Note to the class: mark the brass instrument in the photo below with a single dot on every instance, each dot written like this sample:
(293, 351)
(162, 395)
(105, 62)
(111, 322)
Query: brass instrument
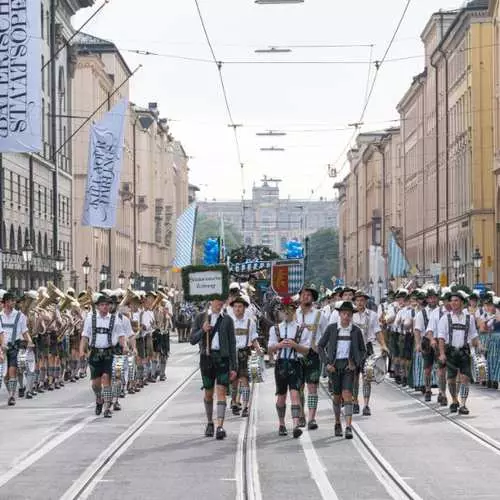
(86, 299)
(29, 303)
(54, 293)
(158, 300)
(129, 296)
(68, 302)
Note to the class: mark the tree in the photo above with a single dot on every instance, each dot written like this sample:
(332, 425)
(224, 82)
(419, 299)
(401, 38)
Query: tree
(257, 252)
(323, 257)
(207, 227)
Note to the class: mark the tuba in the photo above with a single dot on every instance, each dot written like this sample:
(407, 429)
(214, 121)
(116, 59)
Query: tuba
(129, 296)
(68, 302)
(55, 295)
(160, 297)
(86, 299)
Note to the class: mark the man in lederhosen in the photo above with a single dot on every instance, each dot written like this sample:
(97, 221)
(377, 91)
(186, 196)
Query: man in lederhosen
(13, 332)
(343, 350)
(101, 331)
(214, 332)
(285, 341)
(312, 324)
(456, 331)
(245, 330)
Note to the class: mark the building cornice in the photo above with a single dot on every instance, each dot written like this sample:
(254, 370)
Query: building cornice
(412, 93)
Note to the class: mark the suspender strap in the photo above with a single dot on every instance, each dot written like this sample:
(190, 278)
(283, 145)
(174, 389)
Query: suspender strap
(94, 329)
(426, 318)
(248, 331)
(14, 328)
(110, 330)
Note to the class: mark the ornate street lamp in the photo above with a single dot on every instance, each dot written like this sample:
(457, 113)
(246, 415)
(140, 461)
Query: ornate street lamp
(131, 280)
(477, 259)
(86, 271)
(455, 261)
(59, 264)
(27, 252)
(103, 276)
(121, 278)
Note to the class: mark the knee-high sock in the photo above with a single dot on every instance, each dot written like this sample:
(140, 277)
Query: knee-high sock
(427, 380)
(452, 387)
(336, 411)
(57, 372)
(30, 379)
(442, 382)
(115, 388)
(163, 365)
(281, 410)
(312, 401)
(464, 393)
(107, 395)
(234, 392)
(296, 409)
(98, 392)
(50, 373)
(43, 374)
(209, 409)
(221, 410)
(302, 398)
(367, 389)
(244, 396)
(355, 388)
(348, 409)
(154, 365)
(11, 386)
(37, 376)
(20, 379)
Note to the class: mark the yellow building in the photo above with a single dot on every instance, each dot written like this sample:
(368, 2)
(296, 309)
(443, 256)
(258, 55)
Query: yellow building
(446, 122)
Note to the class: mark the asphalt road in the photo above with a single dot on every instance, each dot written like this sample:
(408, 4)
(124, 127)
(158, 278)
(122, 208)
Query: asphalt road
(53, 447)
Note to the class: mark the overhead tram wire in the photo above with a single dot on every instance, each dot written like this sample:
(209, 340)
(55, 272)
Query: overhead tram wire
(232, 124)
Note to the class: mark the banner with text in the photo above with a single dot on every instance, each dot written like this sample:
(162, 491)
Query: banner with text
(20, 77)
(105, 162)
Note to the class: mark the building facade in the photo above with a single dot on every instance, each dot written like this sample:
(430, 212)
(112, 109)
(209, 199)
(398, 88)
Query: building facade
(154, 177)
(37, 188)
(269, 220)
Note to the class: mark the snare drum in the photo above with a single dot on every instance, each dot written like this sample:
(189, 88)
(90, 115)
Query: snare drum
(22, 355)
(256, 368)
(119, 363)
(480, 365)
(375, 369)
(131, 366)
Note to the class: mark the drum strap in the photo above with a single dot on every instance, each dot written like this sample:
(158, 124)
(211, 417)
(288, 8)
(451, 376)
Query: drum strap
(426, 318)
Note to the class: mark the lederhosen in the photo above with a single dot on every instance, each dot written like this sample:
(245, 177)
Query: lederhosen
(458, 359)
(214, 368)
(288, 371)
(311, 362)
(406, 342)
(394, 339)
(244, 352)
(13, 345)
(360, 369)
(342, 379)
(140, 341)
(161, 340)
(101, 359)
(428, 353)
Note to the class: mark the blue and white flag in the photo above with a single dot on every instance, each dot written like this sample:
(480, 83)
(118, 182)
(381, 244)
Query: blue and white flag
(398, 265)
(20, 77)
(184, 237)
(105, 163)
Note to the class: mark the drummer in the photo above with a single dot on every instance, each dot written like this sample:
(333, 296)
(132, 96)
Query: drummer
(245, 330)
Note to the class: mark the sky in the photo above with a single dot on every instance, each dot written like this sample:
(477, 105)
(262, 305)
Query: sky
(313, 103)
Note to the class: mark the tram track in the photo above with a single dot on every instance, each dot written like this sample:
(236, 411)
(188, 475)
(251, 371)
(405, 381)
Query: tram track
(88, 480)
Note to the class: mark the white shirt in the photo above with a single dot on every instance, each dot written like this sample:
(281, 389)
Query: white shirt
(405, 317)
(309, 337)
(434, 320)
(126, 325)
(343, 346)
(215, 346)
(22, 326)
(334, 317)
(367, 321)
(420, 320)
(287, 331)
(148, 319)
(101, 341)
(246, 340)
(457, 336)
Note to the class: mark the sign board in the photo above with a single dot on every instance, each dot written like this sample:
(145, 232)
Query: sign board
(202, 283)
(287, 277)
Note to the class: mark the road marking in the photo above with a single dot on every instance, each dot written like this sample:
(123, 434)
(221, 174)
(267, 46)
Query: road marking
(317, 469)
(87, 481)
(253, 481)
(386, 467)
(238, 468)
(22, 465)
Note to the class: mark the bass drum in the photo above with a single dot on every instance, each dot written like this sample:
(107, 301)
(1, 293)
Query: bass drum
(375, 369)
(256, 368)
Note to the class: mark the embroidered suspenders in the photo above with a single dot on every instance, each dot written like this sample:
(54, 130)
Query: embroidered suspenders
(458, 326)
(108, 331)
(13, 334)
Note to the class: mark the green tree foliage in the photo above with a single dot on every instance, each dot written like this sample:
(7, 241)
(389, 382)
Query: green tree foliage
(257, 252)
(207, 227)
(323, 258)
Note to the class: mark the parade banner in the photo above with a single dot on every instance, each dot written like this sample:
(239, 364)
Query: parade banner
(202, 283)
(287, 277)
(20, 77)
(105, 161)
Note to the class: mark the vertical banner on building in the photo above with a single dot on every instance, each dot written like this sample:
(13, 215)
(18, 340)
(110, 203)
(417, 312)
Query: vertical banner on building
(105, 162)
(20, 77)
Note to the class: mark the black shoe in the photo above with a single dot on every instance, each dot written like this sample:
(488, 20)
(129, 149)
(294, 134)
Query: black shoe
(122, 393)
(220, 433)
(454, 407)
(22, 392)
(366, 411)
(163, 378)
(463, 410)
(152, 380)
(209, 430)
(73, 379)
(40, 390)
(355, 408)
(348, 432)
(397, 379)
(12, 401)
(297, 432)
(338, 430)
(29, 395)
(312, 425)
(404, 382)
(107, 413)
(244, 413)
(57, 385)
(428, 395)
(282, 431)
(116, 406)
(98, 408)
(302, 422)
(50, 387)
(235, 409)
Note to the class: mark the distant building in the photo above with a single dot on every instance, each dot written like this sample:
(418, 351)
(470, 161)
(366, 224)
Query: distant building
(268, 220)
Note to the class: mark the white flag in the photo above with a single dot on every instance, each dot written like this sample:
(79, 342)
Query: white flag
(105, 162)
(20, 77)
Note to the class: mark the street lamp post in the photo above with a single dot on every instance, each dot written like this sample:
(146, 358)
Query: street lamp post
(455, 260)
(86, 270)
(477, 259)
(59, 266)
(121, 278)
(131, 280)
(103, 276)
(27, 252)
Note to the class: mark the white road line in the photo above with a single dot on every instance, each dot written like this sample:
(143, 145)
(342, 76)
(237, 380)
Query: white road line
(253, 481)
(384, 476)
(238, 468)
(116, 449)
(22, 465)
(317, 469)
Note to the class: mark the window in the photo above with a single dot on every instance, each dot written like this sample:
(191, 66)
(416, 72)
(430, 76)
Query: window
(39, 200)
(12, 242)
(42, 24)
(27, 236)
(43, 73)
(19, 238)
(45, 201)
(11, 188)
(18, 191)
(45, 245)
(4, 235)
(40, 248)
(26, 193)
